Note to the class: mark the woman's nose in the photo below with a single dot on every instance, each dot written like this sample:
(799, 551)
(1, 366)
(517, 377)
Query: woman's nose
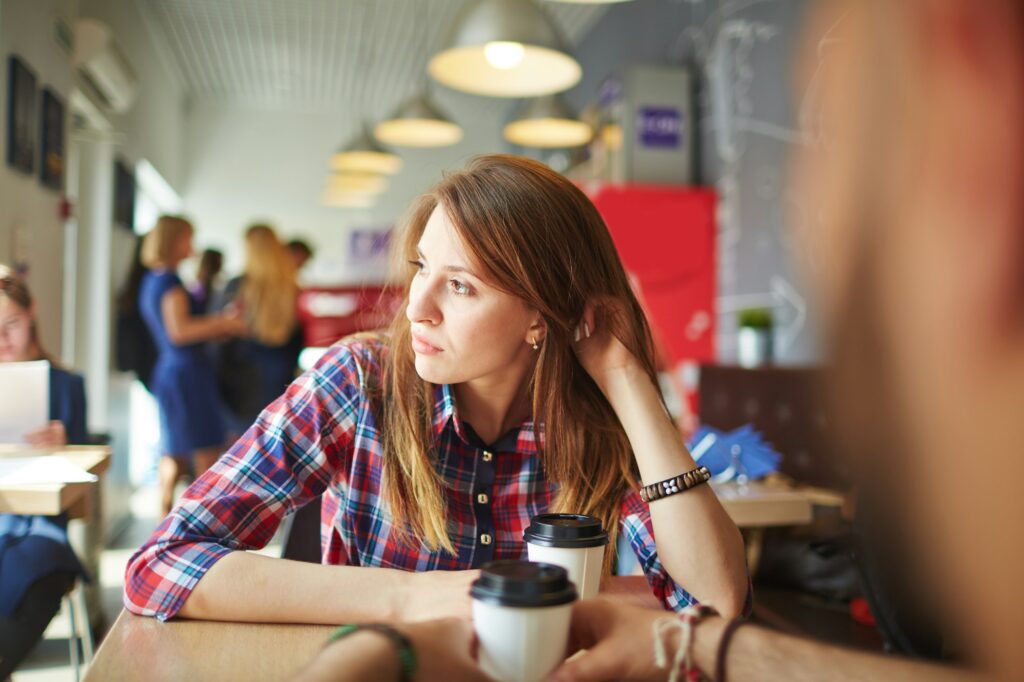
(423, 306)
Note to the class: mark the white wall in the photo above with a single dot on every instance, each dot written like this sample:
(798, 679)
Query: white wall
(31, 230)
(247, 165)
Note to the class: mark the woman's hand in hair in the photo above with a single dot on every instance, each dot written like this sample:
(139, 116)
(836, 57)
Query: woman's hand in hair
(598, 341)
(436, 594)
(53, 435)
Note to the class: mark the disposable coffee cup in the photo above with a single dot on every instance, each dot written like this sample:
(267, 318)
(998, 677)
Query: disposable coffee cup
(521, 614)
(573, 541)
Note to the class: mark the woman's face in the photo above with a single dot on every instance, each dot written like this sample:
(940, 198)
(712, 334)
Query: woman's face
(463, 329)
(15, 331)
(183, 248)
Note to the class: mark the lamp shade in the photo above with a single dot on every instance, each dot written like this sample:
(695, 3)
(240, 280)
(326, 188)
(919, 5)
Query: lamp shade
(361, 183)
(546, 122)
(589, 2)
(364, 155)
(418, 123)
(506, 48)
(344, 199)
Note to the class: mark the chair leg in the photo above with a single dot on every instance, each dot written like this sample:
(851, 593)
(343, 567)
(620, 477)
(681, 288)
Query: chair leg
(85, 634)
(72, 635)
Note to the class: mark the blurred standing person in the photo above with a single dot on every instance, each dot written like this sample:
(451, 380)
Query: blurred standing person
(37, 565)
(191, 421)
(204, 288)
(256, 370)
(300, 252)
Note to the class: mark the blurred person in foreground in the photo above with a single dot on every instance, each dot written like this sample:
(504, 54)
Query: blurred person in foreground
(192, 427)
(917, 185)
(37, 565)
(300, 251)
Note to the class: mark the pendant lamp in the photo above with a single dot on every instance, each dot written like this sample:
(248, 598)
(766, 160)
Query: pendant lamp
(546, 122)
(364, 155)
(361, 183)
(418, 123)
(506, 48)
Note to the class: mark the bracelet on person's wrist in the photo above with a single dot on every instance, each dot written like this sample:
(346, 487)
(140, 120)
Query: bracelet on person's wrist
(406, 652)
(723, 647)
(685, 623)
(675, 485)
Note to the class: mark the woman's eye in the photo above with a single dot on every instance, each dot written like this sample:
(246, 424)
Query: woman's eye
(418, 264)
(460, 288)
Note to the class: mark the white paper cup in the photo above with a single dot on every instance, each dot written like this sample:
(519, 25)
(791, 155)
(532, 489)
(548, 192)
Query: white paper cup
(521, 614)
(575, 542)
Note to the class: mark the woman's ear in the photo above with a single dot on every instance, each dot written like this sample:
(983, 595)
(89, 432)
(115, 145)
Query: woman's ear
(537, 330)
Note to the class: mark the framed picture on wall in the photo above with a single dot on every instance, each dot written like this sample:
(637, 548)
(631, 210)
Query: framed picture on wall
(124, 195)
(21, 115)
(51, 142)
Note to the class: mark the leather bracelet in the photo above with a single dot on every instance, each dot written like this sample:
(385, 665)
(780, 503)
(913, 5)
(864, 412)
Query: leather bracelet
(675, 485)
(406, 652)
(723, 647)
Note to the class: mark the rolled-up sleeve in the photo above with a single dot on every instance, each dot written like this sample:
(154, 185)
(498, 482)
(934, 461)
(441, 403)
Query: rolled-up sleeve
(287, 458)
(635, 525)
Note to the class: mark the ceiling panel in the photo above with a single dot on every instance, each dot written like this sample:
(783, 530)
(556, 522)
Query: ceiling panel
(359, 56)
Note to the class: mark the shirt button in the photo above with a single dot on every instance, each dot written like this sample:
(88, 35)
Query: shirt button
(482, 498)
(488, 456)
(485, 539)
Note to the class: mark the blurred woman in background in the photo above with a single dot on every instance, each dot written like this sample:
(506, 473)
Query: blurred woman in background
(37, 565)
(191, 419)
(255, 371)
(204, 288)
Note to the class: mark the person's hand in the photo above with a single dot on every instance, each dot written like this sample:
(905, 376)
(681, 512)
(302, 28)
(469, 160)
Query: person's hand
(445, 650)
(619, 643)
(437, 594)
(53, 435)
(233, 324)
(597, 340)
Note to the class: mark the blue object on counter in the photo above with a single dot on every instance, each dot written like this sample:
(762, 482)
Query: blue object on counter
(742, 453)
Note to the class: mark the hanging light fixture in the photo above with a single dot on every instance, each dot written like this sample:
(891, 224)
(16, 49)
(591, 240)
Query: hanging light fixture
(361, 183)
(589, 2)
(418, 123)
(547, 122)
(364, 155)
(339, 199)
(506, 48)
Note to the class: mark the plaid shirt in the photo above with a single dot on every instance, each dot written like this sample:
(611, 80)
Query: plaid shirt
(322, 437)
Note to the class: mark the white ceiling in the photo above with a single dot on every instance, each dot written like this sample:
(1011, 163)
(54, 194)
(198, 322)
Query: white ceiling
(308, 54)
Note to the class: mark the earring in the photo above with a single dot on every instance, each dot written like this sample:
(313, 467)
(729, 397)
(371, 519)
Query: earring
(535, 346)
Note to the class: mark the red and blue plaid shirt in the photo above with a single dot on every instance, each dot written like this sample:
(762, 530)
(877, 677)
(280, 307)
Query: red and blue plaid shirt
(322, 438)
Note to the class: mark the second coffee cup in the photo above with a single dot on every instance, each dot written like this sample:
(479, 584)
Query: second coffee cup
(573, 541)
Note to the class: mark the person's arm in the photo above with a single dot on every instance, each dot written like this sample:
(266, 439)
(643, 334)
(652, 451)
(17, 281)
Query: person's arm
(194, 564)
(184, 328)
(698, 544)
(443, 650)
(620, 645)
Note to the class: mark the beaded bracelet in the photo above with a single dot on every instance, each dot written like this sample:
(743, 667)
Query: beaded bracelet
(676, 484)
(406, 652)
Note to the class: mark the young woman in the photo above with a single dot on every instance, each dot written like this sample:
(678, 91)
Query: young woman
(256, 370)
(192, 426)
(37, 565)
(518, 379)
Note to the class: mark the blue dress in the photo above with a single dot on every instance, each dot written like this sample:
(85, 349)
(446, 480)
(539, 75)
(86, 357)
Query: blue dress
(183, 381)
(32, 547)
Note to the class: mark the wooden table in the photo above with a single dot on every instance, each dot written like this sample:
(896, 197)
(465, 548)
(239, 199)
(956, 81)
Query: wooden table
(48, 499)
(140, 648)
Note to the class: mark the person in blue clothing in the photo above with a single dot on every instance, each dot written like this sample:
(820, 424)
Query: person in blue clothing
(183, 383)
(37, 565)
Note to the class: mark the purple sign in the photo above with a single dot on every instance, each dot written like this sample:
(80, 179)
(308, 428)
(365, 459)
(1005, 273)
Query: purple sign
(659, 126)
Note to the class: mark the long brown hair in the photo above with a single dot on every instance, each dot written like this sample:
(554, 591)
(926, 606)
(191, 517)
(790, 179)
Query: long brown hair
(540, 239)
(270, 290)
(15, 289)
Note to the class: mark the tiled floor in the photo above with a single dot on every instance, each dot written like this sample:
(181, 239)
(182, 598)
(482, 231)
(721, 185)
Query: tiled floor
(50, 662)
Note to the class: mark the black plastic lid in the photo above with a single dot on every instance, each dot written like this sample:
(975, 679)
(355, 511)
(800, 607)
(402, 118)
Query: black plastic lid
(524, 584)
(574, 531)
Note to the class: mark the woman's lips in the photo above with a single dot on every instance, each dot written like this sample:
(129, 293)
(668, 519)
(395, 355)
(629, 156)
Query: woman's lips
(422, 347)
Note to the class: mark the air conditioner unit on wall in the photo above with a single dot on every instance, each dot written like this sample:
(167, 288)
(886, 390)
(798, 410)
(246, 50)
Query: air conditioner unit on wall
(103, 67)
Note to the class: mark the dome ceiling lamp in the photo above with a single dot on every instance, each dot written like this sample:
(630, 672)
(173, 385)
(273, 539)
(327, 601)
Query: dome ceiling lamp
(363, 155)
(357, 183)
(546, 123)
(506, 48)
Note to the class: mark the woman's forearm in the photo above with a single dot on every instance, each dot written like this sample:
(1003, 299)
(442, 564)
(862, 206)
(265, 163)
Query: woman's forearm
(699, 545)
(249, 587)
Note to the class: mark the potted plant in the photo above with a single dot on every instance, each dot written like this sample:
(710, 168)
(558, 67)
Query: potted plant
(754, 342)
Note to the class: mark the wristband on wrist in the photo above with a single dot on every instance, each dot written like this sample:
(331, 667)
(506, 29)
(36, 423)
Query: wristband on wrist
(685, 622)
(723, 647)
(675, 485)
(406, 652)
